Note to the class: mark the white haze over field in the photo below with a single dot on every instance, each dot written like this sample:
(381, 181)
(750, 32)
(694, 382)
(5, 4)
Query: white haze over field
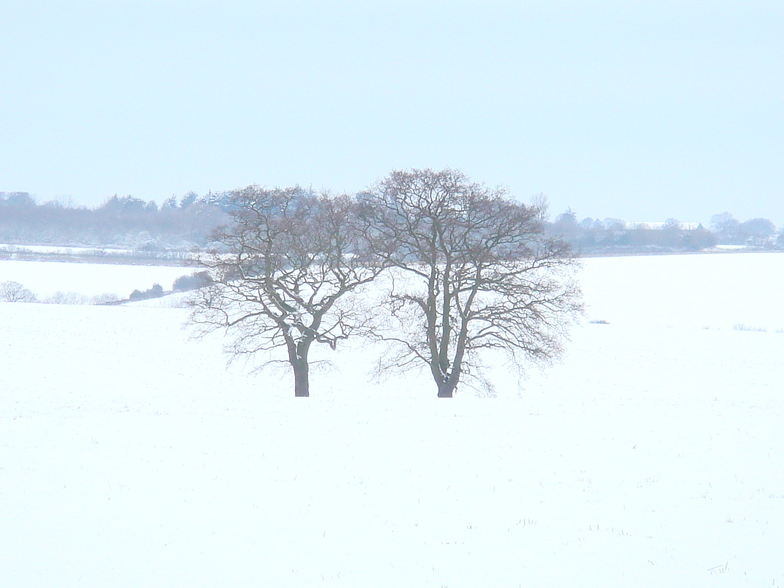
(650, 456)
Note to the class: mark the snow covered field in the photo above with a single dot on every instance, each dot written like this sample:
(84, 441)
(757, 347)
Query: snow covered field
(44, 278)
(653, 455)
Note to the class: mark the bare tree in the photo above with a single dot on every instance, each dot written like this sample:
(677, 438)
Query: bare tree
(473, 271)
(280, 274)
(11, 291)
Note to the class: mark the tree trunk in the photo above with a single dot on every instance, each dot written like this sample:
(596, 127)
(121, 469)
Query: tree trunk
(298, 359)
(446, 389)
(301, 379)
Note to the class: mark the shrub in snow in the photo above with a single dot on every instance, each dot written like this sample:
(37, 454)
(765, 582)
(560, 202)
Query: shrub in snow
(105, 298)
(66, 298)
(742, 327)
(155, 292)
(193, 282)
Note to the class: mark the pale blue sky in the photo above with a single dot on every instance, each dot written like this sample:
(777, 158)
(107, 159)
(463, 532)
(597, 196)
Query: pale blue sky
(635, 110)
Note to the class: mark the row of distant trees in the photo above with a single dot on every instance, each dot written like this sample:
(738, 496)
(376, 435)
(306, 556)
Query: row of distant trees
(126, 222)
(188, 221)
(614, 235)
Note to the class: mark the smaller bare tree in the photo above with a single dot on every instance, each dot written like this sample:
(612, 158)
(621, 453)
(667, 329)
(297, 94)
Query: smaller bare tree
(11, 291)
(281, 273)
(473, 271)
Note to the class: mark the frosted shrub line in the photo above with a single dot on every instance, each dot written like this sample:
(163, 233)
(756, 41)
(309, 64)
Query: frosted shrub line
(11, 291)
(742, 327)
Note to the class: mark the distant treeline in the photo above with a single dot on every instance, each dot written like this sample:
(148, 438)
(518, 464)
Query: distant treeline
(593, 236)
(612, 235)
(183, 223)
(124, 222)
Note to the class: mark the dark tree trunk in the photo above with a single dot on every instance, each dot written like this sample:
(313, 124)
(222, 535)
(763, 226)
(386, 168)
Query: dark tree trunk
(298, 359)
(446, 389)
(301, 380)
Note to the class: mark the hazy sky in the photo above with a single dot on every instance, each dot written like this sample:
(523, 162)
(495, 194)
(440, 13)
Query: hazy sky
(635, 110)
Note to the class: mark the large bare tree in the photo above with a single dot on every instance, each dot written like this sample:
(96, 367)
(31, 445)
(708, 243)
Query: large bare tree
(280, 274)
(472, 270)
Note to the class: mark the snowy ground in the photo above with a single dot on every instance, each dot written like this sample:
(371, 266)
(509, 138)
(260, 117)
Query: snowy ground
(653, 455)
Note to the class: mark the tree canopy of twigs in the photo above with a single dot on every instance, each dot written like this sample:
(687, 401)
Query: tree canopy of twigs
(472, 271)
(281, 273)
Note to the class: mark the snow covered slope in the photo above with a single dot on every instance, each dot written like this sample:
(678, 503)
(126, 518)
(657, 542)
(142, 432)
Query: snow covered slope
(653, 455)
